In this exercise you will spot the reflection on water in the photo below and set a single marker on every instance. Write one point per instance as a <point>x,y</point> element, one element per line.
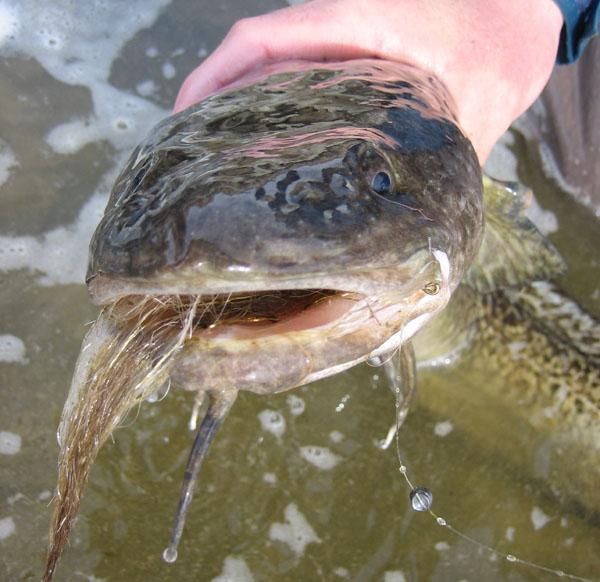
<point>295,487</point>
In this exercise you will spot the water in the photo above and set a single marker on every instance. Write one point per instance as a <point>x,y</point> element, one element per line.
<point>293,489</point>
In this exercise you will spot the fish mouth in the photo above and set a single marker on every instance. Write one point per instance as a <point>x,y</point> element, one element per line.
<point>270,336</point>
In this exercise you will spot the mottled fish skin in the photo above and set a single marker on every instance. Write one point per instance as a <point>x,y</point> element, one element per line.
<point>560,343</point>
<point>275,180</point>
<point>533,359</point>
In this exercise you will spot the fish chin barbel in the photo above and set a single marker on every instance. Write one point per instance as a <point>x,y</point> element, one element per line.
<point>270,236</point>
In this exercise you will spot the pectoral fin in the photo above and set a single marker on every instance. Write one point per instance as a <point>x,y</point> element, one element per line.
<point>513,251</point>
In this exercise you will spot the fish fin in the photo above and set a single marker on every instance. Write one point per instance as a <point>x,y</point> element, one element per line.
<point>451,331</point>
<point>513,251</point>
<point>401,373</point>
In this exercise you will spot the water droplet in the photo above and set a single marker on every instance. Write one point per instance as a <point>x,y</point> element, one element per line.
<point>441,521</point>
<point>170,555</point>
<point>511,558</point>
<point>421,499</point>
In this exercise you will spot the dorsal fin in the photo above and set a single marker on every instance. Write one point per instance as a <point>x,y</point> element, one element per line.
<point>513,251</point>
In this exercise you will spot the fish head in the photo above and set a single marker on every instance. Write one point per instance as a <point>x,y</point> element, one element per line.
<point>346,196</point>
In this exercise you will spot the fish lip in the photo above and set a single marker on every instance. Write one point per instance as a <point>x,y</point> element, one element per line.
<point>417,271</point>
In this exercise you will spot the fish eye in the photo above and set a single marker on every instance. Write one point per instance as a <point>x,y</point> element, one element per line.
<point>381,183</point>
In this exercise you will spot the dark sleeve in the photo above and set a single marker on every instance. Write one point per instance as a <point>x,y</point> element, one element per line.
<point>581,24</point>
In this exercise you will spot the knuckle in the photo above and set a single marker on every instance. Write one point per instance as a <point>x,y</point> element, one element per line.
<point>243,28</point>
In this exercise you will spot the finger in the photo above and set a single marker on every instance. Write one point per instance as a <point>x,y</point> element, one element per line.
<point>310,32</point>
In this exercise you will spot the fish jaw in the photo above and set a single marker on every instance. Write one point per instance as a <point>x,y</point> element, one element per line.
<point>335,334</point>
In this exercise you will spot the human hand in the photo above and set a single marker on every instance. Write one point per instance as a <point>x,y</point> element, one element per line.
<point>494,57</point>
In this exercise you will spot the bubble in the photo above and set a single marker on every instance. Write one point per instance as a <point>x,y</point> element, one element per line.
<point>320,457</point>
<point>296,404</point>
<point>7,527</point>
<point>12,349</point>
<point>511,558</point>
<point>273,422</point>
<point>443,429</point>
<point>421,499</point>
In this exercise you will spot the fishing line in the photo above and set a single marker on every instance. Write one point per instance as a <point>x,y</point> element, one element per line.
<point>421,499</point>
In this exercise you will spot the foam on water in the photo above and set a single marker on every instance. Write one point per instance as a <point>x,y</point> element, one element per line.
<point>61,254</point>
<point>168,70</point>
<point>502,164</point>
<point>270,478</point>
<point>545,220</point>
<point>235,569</point>
<point>10,443</point>
<point>296,404</point>
<point>443,429</point>
<point>320,457</point>
<point>9,23</point>
<point>8,161</point>
<point>7,527</point>
<point>77,46</point>
<point>273,422</point>
<point>12,349</point>
<point>296,532</point>
<point>79,49</point>
<point>539,518</point>
<point>394,576</point>
<point>146,88</point>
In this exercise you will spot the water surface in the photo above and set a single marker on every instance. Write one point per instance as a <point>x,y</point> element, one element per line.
<point>295,487</point>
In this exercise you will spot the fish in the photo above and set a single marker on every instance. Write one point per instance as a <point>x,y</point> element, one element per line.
<point>276,234</point>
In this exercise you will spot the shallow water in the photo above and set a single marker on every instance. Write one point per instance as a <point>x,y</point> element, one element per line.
<point>295,486</point>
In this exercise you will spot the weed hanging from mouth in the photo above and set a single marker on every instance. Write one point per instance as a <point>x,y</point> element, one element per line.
<point>125,358</point>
